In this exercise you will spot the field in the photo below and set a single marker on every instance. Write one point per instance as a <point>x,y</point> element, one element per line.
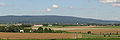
<point>70,39</point>
<point>97,33</point>
<point>37,35</point>
<point>93,29</point>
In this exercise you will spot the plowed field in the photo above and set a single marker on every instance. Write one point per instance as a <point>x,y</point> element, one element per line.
<point>37,35</point>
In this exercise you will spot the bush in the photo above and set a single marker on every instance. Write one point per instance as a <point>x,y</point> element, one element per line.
<point>2,28</point>
<point>89,32</point>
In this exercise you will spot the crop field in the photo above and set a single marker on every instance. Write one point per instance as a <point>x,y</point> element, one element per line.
<point>70,39</point>
<point>93,29</point>
<point>37,35</point>
<point>97,30</point>
<point>67,36</point>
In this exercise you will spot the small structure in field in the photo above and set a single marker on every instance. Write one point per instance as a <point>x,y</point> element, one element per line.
<point>49,25</point>
<point>21,31</point>
<point>30,30</point>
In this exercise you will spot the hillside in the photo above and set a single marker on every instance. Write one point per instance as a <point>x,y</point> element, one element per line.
<point>51,20</point>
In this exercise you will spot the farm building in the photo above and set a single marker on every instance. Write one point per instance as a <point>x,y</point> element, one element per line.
<point>38,25</point>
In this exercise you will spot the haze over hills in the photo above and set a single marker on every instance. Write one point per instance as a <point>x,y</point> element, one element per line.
<point>51,19</point>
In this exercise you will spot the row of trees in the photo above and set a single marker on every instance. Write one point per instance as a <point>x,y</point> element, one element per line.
<point>17,28</point>
<point>44,30</point>
<point>11,28</point>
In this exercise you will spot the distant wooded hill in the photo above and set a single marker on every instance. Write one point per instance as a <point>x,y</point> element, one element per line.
<point>50,19</point>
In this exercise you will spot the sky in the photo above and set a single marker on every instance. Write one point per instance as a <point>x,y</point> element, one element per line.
<point>96,9</point>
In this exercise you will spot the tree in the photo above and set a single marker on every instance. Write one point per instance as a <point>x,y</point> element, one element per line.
<point>28,30</point>
<point>45,24</point>
<point>26,25</point>
<point>40,29</point>
<point>2,28</point>
<point>50,30</point>
<point>14,28</point>
<point>46,30</point>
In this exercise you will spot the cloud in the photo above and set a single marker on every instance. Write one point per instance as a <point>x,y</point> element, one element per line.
<point>48,9</point>
<point>109,1</point>
<point>2,4</point>
<point>55,6</point>
<point>115,3</point>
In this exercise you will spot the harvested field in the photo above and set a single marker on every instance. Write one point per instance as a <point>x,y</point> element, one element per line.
<point>37,36</point>
<point>82,27</point>
<point>97,31</point>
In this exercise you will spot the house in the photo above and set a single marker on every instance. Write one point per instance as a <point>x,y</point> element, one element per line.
<point>38,25</point>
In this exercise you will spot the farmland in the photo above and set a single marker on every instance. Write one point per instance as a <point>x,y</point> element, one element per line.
<point>38,35</point>
<point>74,32</point>
<point>93,29</point>
<point>70,39</point>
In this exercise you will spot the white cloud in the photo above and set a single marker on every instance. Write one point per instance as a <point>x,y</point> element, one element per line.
<point>55,6</point>
<point>48,9</point>
<point>115,3</point>
<point>109,1</point>
<point>2,4</point>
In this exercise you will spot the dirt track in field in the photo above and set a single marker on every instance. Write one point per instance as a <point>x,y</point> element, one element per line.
<point>74,28</point>
<point>37,35</point>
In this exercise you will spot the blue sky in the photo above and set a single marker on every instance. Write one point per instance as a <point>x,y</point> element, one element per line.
<point>96,9</point>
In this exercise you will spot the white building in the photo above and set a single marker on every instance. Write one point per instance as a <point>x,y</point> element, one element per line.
<point>38,25</point>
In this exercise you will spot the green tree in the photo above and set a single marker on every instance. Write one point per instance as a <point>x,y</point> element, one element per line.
<point>14,28</point>
<point>45,24</point>
<point>46,30</point>
<point>2,28</point>
<point>26,25</point>
<point>40,29</point>
<point>49,30</point>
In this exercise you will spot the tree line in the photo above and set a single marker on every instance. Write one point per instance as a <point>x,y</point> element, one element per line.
<point>17,28</point>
